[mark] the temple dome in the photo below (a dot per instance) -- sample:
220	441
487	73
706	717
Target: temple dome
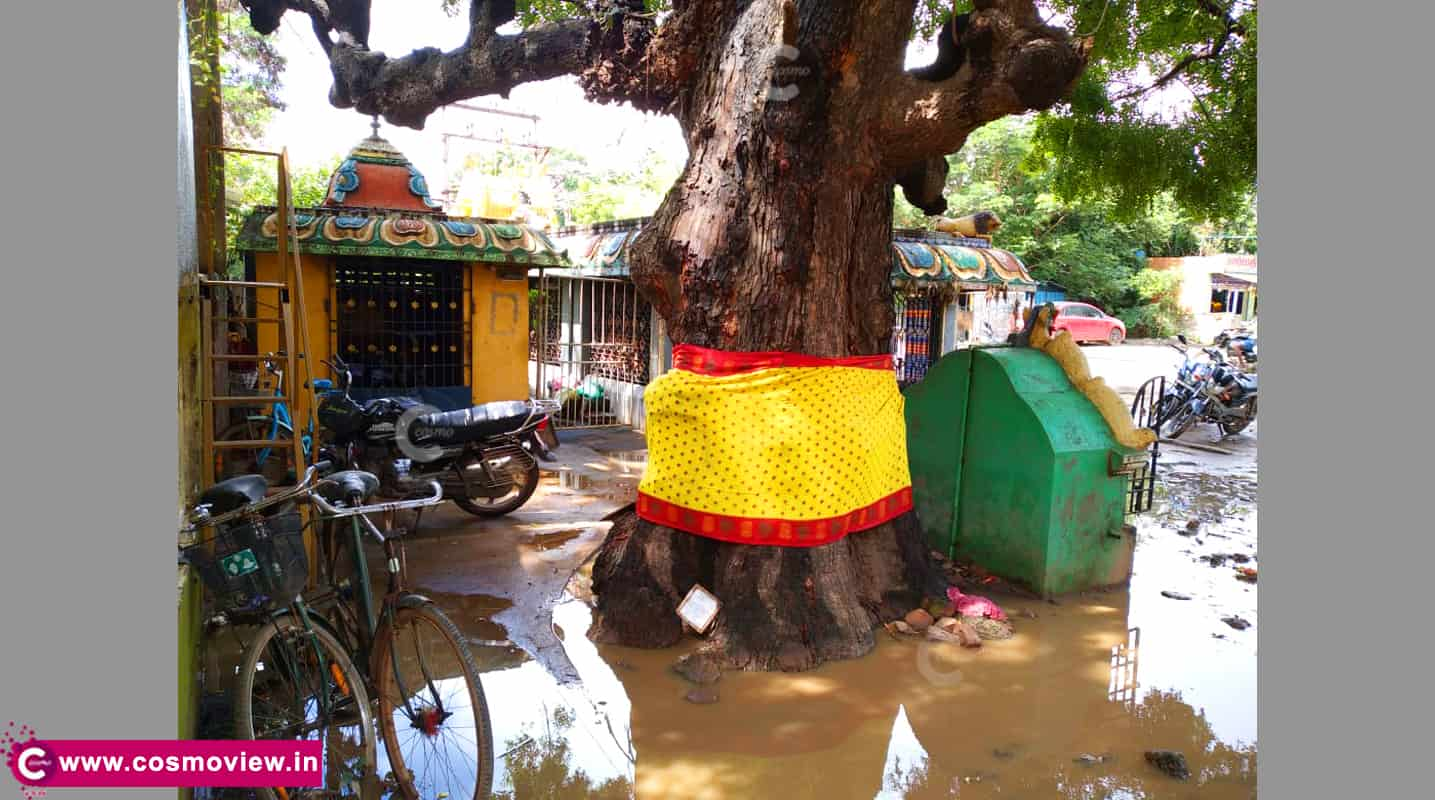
376	175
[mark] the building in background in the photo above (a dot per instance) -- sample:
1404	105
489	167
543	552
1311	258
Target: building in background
417	302
1218	291
596	342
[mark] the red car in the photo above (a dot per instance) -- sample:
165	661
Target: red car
1088	323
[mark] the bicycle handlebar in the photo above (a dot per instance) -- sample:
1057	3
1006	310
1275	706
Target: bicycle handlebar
300	488
397	505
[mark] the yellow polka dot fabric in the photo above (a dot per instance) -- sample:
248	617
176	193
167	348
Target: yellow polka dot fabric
774	454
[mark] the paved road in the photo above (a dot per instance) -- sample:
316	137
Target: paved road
1125	367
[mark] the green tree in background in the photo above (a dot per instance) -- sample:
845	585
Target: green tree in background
587	194
1089	246
1167	105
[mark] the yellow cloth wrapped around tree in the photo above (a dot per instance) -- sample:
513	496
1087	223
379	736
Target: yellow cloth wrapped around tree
774	448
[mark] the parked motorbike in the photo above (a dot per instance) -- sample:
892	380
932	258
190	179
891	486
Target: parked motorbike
484	457
1238	344
1211	391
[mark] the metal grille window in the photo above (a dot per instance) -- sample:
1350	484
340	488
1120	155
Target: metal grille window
619	322
593	335
544	315
400	324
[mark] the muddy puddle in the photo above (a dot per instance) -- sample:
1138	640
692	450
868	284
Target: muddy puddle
621	487
1067	707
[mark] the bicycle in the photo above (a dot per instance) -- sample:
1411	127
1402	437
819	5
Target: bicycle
298	679
295	680
274	463
431	707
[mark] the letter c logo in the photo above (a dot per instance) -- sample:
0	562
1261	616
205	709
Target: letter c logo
26	756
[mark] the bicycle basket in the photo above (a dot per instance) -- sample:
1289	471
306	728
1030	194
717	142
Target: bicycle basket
254	564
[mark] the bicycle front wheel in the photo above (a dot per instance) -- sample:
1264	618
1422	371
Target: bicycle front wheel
300	684
432	710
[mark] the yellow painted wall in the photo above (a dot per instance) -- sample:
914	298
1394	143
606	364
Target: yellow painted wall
314	316
499	324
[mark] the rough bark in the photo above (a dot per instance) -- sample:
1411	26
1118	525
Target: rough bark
776	237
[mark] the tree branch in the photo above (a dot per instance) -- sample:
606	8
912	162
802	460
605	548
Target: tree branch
609	54
1211	53
1012	63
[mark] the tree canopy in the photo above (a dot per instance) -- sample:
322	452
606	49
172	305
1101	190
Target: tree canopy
1166	107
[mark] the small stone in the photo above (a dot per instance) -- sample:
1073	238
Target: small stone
1193	525
1175	595
988	628
1005	754
947	623
700	668
1236	622
968	635
702	695
1026	612
919	619
1239	558
1170	762
935	634
900	627
1087	759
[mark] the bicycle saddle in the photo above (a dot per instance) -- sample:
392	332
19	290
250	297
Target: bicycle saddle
341	486
226	496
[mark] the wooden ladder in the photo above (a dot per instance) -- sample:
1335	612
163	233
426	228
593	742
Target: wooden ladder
215	319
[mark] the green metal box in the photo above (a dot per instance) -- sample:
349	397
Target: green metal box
1011	469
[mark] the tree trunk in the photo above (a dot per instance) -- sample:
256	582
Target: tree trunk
207	116
777	237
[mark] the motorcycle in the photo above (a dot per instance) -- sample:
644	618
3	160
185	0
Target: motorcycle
485	458
1212	391
1238	344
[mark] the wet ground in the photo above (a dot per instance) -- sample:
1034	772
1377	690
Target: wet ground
1067	707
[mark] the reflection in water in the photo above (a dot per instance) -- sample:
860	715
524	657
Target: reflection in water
1052	712
1055	711
1123	685
540	763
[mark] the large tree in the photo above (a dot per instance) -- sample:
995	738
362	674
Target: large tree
799	118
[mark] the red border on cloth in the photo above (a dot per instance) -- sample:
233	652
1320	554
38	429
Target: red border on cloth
716	363
779	532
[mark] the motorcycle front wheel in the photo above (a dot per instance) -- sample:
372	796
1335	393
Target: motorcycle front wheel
1235	425
1180	422
522	488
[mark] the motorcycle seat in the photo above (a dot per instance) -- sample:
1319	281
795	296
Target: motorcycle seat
341	486
228	495
470	424
1247	382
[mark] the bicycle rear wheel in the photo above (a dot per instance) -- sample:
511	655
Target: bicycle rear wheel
284	693
432	711
277	464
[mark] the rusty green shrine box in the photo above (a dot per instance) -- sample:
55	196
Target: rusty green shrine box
1012	470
